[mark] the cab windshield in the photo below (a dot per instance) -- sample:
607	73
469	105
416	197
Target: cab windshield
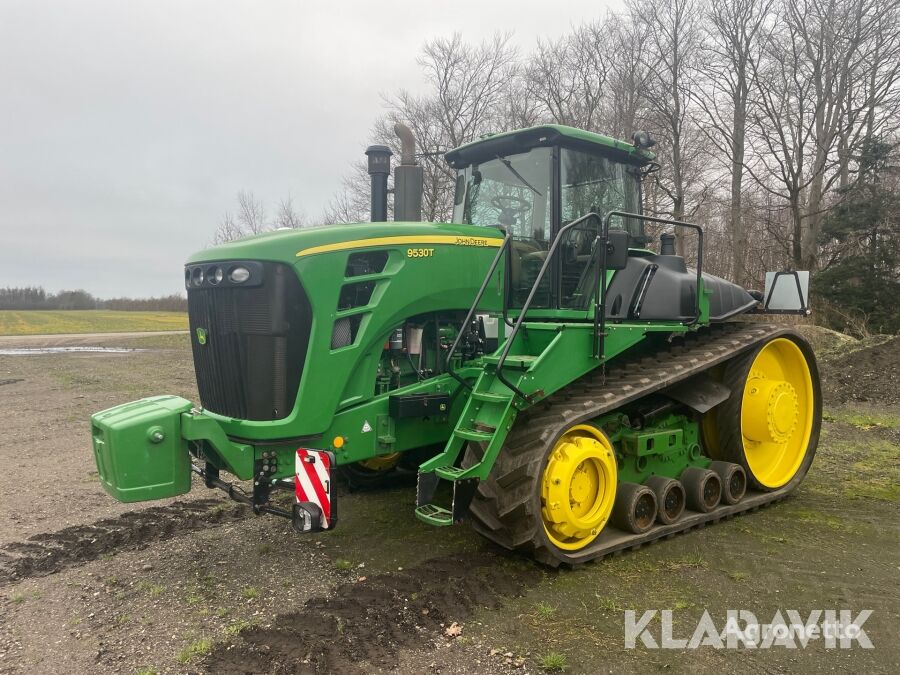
512	191
516	192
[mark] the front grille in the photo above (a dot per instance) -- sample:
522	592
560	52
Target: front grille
255	343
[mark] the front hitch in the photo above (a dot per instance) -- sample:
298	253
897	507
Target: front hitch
315	508
147	450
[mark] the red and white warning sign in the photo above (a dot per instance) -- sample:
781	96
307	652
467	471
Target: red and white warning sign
312	481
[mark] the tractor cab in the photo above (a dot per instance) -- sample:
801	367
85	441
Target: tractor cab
542	183
534	182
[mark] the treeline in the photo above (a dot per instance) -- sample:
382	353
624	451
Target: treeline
777	123
35	297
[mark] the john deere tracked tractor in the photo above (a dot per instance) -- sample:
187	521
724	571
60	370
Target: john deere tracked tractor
550	372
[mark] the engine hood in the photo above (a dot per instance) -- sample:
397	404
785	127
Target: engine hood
289	246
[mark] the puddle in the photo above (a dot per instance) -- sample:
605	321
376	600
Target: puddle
27	351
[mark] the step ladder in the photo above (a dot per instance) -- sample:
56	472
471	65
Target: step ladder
487	417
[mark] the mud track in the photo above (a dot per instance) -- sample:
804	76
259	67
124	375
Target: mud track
365	625
48	553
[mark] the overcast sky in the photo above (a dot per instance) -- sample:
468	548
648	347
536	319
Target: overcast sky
127	127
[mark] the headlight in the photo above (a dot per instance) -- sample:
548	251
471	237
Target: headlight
239	275
216	275
197	277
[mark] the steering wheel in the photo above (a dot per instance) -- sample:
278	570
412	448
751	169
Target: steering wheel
509	207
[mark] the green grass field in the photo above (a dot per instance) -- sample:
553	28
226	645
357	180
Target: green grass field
39	322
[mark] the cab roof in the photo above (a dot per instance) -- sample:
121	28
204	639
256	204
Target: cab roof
522	140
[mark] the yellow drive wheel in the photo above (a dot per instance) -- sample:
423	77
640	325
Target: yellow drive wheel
709	433
381	462
378	471
578	487
770	422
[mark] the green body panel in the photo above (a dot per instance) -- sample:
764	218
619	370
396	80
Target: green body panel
334	380
667	448
215	446
388	435
139	449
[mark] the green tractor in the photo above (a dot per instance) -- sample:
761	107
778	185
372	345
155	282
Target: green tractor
546	374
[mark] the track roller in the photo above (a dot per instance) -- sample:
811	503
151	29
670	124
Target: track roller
703	488
634	509
734	481
670	498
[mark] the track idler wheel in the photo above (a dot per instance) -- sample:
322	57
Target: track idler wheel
734	481
635	508
770	423
703	489
670	498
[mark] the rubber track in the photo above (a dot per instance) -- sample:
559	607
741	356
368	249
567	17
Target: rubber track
506	508
48	553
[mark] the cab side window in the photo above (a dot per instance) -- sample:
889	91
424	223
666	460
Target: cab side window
590	183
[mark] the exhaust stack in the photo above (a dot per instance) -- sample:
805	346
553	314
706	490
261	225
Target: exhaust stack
379	170
408	178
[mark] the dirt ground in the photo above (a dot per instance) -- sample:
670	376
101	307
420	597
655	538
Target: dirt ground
200	585
864	372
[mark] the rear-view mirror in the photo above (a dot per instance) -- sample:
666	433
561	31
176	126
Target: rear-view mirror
617	250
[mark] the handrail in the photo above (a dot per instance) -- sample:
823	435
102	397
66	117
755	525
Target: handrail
507	236
519	319
600	293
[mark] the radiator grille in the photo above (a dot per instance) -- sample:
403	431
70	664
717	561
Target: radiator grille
255	344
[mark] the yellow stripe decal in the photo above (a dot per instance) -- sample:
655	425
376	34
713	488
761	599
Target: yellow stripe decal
452	239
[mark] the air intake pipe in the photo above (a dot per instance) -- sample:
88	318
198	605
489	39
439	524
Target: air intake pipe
379	170
408	178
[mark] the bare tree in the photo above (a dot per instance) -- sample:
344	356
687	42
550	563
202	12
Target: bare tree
251	218
833	33
519	110
812	63
628	75
227	230
287	217
873	100
670	57
350	204
567	77
469	85
730	52
251	214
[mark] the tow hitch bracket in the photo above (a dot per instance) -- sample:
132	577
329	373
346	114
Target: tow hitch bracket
315	508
